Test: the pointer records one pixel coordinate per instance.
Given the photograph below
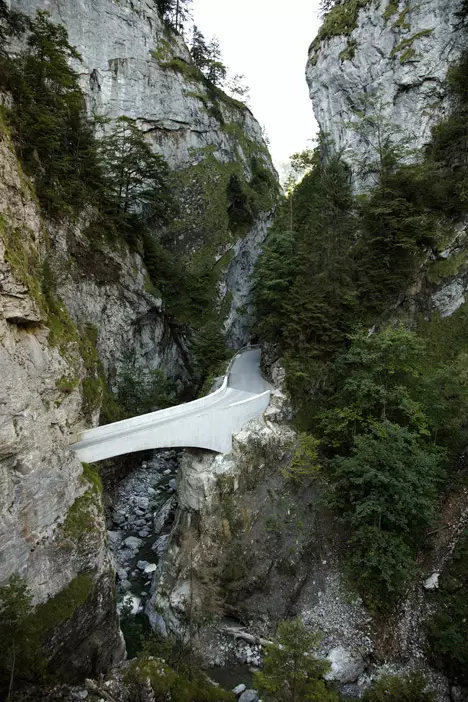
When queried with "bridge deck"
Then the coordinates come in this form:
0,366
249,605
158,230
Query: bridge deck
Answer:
207,423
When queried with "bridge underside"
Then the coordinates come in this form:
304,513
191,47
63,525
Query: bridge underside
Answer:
207,423
211,431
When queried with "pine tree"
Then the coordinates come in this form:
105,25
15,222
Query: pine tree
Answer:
216,71
12,24
137,179
199,49
291,672
237,88
174,12
20,654
54,139
327,5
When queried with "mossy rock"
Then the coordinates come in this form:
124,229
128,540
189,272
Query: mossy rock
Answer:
341,21
63,605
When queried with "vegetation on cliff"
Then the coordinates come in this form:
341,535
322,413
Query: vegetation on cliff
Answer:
124,190
386,403
291,672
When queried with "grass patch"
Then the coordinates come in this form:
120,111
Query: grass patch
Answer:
405,48
391,9
341,21
447,267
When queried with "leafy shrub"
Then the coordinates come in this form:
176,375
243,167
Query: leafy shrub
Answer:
140,392
391,688
291,672
166,683
386,490
446,630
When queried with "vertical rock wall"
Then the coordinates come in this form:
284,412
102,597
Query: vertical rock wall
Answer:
52,531
392,65
132,65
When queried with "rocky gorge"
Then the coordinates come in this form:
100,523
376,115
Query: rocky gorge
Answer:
210,551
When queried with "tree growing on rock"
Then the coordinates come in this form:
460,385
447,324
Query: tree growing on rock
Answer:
207,57
175,13
20,650
137,179
291,672
391,688
327,5
238,88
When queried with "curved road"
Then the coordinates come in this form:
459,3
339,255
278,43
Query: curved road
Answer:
206,423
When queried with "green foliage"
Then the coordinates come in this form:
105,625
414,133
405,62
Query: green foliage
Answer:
207,57
388,405
20,656
386,400
136,179
391,9
140,392
291,673
209,349
305,461
341,20
240,211
175,13
12,24
405,47
92,477
81,517
349,53
63,605
411,687
304,291
374,380
274,275
447,633
166,683
67,385
386,490
52,136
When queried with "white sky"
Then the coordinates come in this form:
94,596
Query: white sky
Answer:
267,41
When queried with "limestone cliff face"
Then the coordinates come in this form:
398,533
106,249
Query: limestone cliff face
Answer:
54,350
393,64
133,66
52,531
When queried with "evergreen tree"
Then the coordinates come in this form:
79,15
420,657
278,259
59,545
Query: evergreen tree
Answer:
238,89
53,137
375,379
387,492
137,179
20,655
209,349
199,49
274,276
327,5
291,673
12,24
216,71
174,12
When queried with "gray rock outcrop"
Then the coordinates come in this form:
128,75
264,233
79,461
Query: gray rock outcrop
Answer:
132,66
393,66
52,531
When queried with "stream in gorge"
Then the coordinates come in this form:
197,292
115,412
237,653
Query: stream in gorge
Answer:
140,516
139,524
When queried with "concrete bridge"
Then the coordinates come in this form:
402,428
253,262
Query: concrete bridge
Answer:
207,423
